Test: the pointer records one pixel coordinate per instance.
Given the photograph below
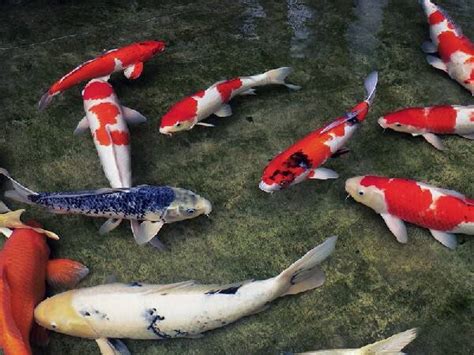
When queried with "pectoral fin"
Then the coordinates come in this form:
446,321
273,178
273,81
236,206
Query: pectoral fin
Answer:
132,116
133,71
396,226
82,126
429,47
112,347
434,140
436,63
248,92
468,136
144,231
224,111
109,225
65,273
323,174
7,232
204,124
447,239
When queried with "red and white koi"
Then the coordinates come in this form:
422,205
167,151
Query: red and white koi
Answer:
429,121
187,113
443,212
456,51
129,59
303,159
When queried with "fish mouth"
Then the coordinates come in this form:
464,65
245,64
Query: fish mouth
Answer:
164,131
382,122
207,207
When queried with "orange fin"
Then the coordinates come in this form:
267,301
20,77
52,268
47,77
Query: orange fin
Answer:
65,273
39,335
10,338
134,71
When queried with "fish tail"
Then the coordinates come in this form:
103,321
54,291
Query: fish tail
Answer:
392,345
278,76
45,101
370,84
305,273
19,192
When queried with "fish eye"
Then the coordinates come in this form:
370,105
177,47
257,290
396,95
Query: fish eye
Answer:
177,124
190,210
361,193
398,125
53,325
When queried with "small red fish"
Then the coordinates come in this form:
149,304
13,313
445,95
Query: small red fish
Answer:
129,59
24,269
443,212
456,51
303,159
429,121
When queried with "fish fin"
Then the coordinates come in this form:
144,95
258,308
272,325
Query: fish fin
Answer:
278,76
434,140
204,124
449,240
370,85
19,192
108,346
133,71
392,345
65,273
12,219
436,63
468,136
82,126
7,232
396,226
323,174
132,117
156,243
340,152
4,208
248,92
45,101
39,335
305,273
429,47
229,289
224,111
144,231
10,337
109,225
104,78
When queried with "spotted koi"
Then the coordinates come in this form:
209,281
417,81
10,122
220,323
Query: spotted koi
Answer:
303,159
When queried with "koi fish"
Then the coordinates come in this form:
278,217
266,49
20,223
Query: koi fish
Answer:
129,59
393,345
24,269
181,310
456,51
187,113
303,159
443,212
147,207
429,121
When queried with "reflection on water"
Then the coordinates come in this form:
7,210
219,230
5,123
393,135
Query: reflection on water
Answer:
298,15
361,34
253,11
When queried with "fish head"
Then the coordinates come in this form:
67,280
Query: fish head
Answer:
97,89
401,121
186,205
58,314
428,7
371,195
181,117
151,48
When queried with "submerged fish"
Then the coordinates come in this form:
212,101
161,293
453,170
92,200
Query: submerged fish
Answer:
456,51
442,211
147,207
303,159
393,345
187,113
429,121
129,59
181,310
24,269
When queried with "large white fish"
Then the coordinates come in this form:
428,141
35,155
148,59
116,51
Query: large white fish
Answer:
182,310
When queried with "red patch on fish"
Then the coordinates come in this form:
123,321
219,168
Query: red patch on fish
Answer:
184,110
97,90
107,115
200,93
120,137
416,204
436,17
227,87
438,119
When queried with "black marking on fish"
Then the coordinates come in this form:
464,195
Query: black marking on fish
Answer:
135,284
85,313
299,159
227,291
180,333
249,118
292,280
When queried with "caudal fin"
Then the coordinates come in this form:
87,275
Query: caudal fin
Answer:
45,101
19,192
305,274
392,345
278,76
370,84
